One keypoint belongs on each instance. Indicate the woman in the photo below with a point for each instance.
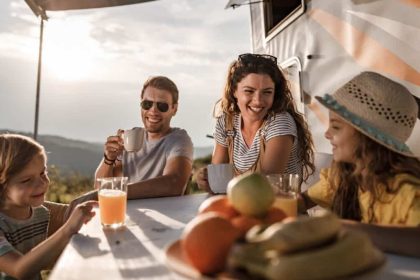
(260, 129)
(374, 180)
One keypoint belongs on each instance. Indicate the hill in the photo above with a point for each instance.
(78, 156)
(69, 155)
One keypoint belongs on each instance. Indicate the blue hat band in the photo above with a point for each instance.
(372, 131)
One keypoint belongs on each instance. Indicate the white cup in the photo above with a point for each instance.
(133, 139)
(219, 176)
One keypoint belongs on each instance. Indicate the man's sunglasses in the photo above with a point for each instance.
(162, 106)
(251, 57)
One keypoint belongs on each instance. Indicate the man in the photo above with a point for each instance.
(163, 165)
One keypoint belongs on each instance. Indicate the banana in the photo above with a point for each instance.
(351, 253)
(242, 254)
(302, 233)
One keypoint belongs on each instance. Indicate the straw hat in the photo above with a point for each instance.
(378, 107)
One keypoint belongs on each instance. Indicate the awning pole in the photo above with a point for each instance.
(38, 80)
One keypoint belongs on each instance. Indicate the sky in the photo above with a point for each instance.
(95, 62)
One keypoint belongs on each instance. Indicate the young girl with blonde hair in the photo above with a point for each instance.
(374, 180)
(25, 248)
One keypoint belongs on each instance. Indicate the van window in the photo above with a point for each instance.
(279, 14)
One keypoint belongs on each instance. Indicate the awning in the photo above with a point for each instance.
(39, 7)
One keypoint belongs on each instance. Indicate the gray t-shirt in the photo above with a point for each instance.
(23, 235)
(150, 161)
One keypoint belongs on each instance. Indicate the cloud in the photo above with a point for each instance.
(95, 62)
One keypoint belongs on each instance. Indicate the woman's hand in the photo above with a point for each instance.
(114, 145)
(81, 214)
(202, 181)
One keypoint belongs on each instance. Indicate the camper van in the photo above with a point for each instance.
(320, 44)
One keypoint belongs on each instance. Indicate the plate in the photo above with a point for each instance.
(177, 261)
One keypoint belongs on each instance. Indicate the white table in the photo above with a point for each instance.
(137, 252)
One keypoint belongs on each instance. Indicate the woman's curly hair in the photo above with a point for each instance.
(283, 102)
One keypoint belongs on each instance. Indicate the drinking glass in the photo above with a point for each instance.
(112, 198)
(286, 188)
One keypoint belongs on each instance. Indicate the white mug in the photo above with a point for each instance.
(133, 139)
(219, 176)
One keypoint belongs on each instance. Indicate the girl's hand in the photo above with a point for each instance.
(81, 214)
(114, 145)
(202, 180)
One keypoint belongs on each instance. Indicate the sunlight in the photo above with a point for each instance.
(69, 50)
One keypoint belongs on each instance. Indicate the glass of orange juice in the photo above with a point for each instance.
(112, 198)
(286, 188)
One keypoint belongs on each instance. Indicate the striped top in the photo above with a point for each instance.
(244, 157)
(23, 235)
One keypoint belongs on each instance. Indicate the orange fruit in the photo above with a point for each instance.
(219, 204)
(206, 241)
(274, 215)
(244, 223)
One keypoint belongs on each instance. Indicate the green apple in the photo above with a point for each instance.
(251, 194)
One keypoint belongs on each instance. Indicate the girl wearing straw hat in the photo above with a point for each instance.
(374, 180)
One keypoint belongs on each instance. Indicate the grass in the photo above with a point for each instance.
(64, 188)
